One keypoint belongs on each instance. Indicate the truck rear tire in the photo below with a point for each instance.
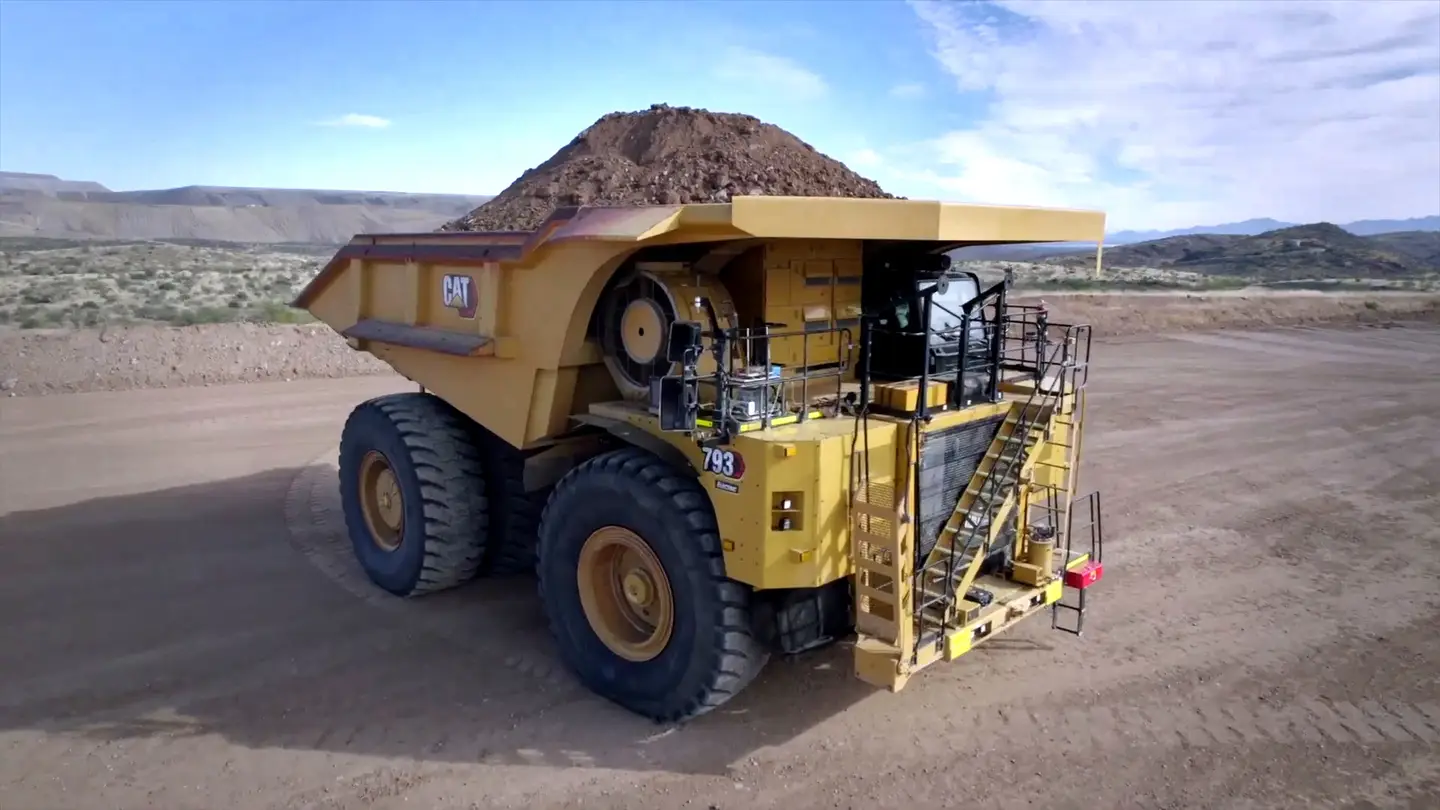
(412, 487)
(514, 513)
(633, 582)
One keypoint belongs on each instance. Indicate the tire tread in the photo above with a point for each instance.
(736, 655)
(453, 495)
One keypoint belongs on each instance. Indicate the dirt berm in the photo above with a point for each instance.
(666, 156)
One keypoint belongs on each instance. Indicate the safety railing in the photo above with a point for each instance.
(750, 389)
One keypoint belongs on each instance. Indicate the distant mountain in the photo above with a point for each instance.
(1319, 250)
(47, 206)
(1371, 227)
(1255, 227)
(1406, 230)
(1421, 246)
(47, 184)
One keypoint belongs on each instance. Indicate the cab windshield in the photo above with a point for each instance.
(947, 311)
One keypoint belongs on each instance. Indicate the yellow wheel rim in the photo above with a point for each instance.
(381, 502)
(626, 594)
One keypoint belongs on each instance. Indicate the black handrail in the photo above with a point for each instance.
(724, 380)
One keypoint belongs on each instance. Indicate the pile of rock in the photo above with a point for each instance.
(666, 156)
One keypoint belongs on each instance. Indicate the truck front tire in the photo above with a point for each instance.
(633, 582)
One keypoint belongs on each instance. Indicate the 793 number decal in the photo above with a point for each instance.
(726, 463)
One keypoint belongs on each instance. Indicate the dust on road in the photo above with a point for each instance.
(184, 627)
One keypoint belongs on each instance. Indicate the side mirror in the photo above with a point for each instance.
(679, 409)
(684, 341)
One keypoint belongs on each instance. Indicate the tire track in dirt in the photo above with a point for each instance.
(1318, 345)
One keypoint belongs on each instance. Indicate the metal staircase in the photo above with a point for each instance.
(978, 520)
(979, 516)
(909, 602)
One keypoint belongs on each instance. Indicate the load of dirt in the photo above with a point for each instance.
(667, 156)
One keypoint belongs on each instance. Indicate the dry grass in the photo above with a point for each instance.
(59, 283)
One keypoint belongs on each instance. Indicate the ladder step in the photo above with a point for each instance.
(940, 570)
(966, 523)
(976, 527)
(939, 578)
(931, 599)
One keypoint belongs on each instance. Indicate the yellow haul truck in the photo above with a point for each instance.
(720, 431)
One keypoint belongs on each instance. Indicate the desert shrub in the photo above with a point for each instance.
(165, 313)
(36, 318)
(190, 317)
(281, 312)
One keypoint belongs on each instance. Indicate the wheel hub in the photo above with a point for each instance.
(638, 589)
(381, 502)
(625, 594)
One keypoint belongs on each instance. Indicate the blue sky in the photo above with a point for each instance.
(171, 93)
(1162, 113)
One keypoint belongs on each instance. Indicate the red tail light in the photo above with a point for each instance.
(1084, 576)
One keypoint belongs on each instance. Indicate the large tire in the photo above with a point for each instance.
(514, 513)
(434, 464)
(712, 651)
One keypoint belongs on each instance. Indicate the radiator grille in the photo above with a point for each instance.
(948, 459)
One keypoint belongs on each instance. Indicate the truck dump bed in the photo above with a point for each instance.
(430, 304)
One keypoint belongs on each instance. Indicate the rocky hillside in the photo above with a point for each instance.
(38, 205)
(1320, 250)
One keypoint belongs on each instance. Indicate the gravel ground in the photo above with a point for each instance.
(184, 626)
(118, 358)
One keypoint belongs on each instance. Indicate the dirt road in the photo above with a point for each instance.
(183, 627)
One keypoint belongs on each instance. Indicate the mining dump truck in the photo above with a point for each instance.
(718, 432)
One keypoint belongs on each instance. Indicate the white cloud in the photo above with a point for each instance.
(1179, 113)
(773, 74)
(357, 120)
(910, 90)
(865, 158)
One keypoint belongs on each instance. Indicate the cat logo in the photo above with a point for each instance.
(459, 294)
